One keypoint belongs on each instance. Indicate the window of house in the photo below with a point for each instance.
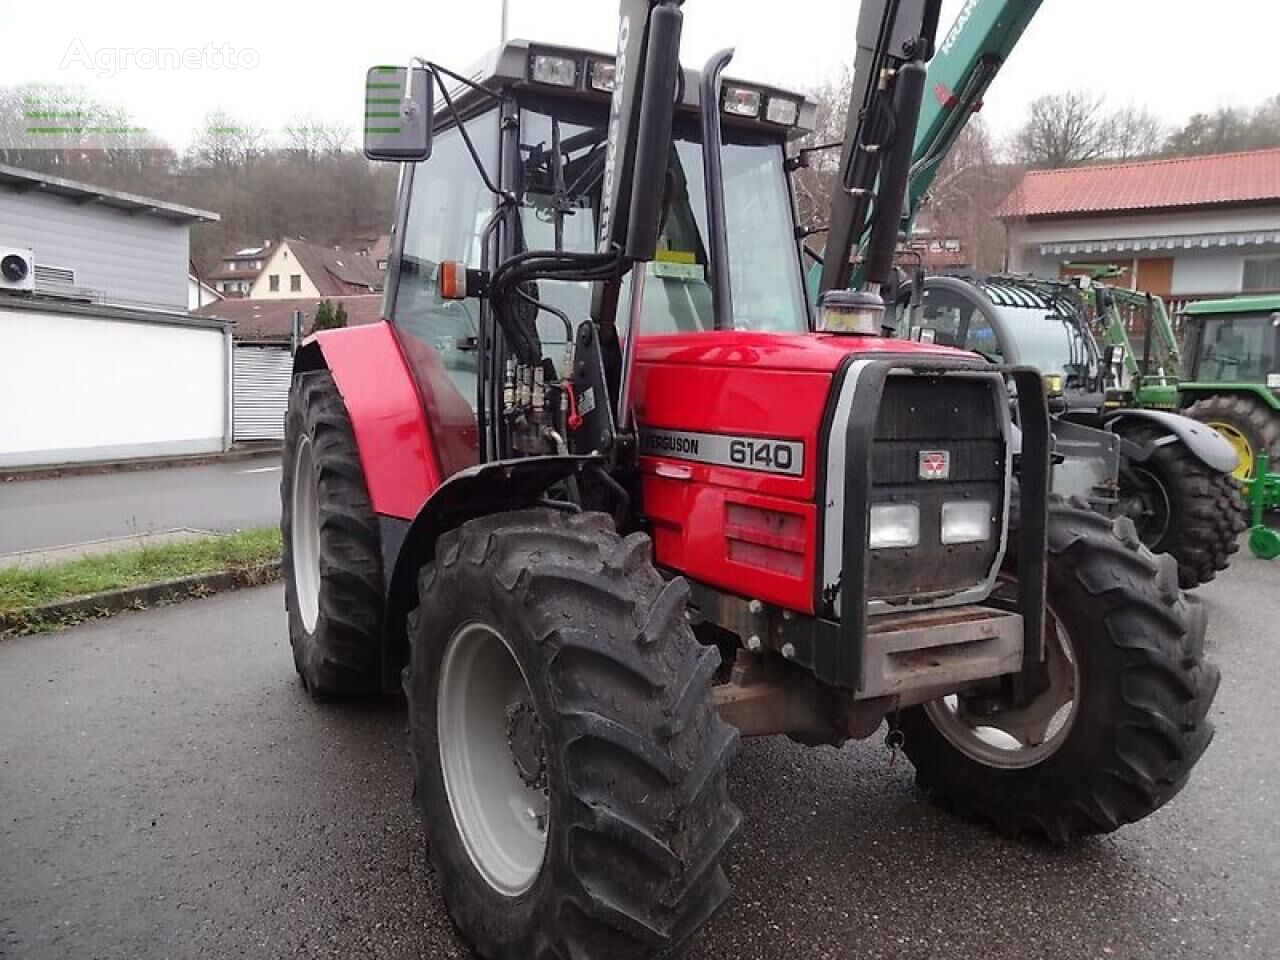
(273, 283)
(295, 282)
(1262, 275)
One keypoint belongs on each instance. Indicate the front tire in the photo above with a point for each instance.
(569, 765)
(1183, 507)
(1249, 424)
(331, 558)
(1127, 649)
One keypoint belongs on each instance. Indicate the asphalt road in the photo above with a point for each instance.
(222, 496)
(167, 791)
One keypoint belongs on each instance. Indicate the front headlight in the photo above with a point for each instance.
(893, 525)
(966, 521)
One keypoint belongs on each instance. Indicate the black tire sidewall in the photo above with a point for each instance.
(1093, 718)
(1255, 421)
(339, 656)
(295, 429)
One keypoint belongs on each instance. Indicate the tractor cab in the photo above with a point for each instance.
(535, 123)
(1235, 342)
(1011, 322)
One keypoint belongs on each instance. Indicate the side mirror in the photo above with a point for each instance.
(925, 335)
(397, 114)
(1113, 356)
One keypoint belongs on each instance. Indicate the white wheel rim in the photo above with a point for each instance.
(304, 535)
(1018, 738)
(501, 819)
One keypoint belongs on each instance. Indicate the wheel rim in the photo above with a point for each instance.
(1148, 506)
(304, 535)
(1242, 446)
(499, 799)
(1014, 739)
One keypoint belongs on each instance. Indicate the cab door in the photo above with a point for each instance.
(447, 207)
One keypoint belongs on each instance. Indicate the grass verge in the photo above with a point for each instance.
(24, 588)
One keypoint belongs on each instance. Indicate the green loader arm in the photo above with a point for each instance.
(967, 60)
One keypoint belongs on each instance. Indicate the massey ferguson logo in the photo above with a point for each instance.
(935, 465)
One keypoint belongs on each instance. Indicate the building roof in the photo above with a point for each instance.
(272, 320)
(1225, 178)
(22, 181)
(335, 272)
(1252, 304)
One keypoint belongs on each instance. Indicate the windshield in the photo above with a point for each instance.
(1238, 348)
(561, 205)
(1050, 342)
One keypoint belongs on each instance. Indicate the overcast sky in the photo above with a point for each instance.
(1176, 56)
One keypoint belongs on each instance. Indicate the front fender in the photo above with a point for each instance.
(478, 491)
(400, 462)
(1205, 442)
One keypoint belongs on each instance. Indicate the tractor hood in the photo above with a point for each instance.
(809, 352)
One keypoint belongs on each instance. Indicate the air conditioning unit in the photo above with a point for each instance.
(17, 269)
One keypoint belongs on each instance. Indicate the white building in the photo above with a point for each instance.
(99, 359)
(1187, 229)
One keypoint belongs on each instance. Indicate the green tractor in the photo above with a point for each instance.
(1232, 383)
(1232, 372)
(1232, 378)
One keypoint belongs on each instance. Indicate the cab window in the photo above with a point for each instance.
(562, 199)
(448, 207)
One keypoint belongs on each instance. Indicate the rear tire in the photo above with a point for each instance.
(1183, 507)
(631, 767)
(331, 559)
(1142, 690)
(1247, 422)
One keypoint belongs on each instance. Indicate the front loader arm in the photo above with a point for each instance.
(961, 71)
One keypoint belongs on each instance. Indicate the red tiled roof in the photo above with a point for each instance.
(273, 319)
(334, 272)
(1148, 185)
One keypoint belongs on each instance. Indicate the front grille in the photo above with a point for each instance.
(957, 415)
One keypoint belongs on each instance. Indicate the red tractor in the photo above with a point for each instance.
(594, 546)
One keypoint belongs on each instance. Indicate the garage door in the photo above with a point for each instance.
(260, 392)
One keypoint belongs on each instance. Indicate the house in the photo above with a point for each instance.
(237, 272)
(296, 268)
(99, 359)
(199, 292)
(1187, 229)
(262, 355)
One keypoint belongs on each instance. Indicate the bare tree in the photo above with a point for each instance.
(227, 143)
(310, 138)
(57, 128)
(817, 176)
(966, 191)
(1133, 131)
(1062, 130)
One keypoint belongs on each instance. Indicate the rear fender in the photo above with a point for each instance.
(478, 491)
(399, 461)
(1209, 446)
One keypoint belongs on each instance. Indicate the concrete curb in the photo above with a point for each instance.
(92, 606)
(129, 466)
